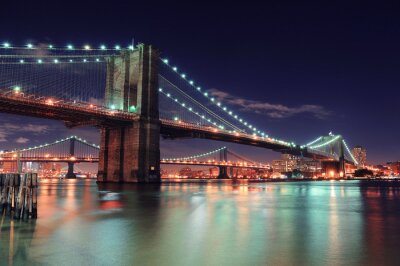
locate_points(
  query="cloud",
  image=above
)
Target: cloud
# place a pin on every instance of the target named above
(271, 110)
(21, 140)
(10, 129)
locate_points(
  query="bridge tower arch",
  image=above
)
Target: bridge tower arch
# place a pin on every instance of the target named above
(131, 153)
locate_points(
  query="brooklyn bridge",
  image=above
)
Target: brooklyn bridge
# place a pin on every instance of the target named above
(135, 97)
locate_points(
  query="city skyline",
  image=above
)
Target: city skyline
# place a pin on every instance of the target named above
(341, 79)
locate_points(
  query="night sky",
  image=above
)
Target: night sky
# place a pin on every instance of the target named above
(311, 67)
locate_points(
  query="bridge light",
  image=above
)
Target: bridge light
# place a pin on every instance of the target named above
(84, 60)
(175, 69)
(71, 61)
(97, 60)
(55, 61)
(131, 47)
(102, 47)
(70, 47)
(50, 46)
(29, 45)
(40, 61)
(132, 108)
(224, 108)
(17, 89)
(6, 45)
(165, 61)
(191, 82)
(205, 94)
(50, 102)
(176, 118)
(86, 47)
(199, 88)
(183, 75)
(117, 47)
(112, 106)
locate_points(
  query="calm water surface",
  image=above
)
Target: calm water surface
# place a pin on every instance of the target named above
(302, 223)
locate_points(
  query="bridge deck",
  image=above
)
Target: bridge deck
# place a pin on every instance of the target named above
(70, 112)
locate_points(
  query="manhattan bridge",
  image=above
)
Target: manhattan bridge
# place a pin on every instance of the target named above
(134, 96)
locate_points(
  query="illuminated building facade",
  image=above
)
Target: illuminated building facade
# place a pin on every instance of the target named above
(288, 163)
(360, 154)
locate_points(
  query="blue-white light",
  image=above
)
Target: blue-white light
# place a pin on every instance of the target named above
(70, 47)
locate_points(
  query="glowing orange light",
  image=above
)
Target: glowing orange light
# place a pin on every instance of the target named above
(331, 173)
(72, 158)
(50, 102)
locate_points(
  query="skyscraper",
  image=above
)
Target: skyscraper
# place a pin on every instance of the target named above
(360, 153)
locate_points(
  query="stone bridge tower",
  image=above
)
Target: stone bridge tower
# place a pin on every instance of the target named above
(131, 153)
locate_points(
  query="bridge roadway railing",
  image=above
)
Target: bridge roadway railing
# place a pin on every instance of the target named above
(215, 163)
(214, 130)
(49, 102)
(49, 159)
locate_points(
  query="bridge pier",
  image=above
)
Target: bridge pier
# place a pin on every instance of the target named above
(70, 173)
(223, 170)
(131, 153)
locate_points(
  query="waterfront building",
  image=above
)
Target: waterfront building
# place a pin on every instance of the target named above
(360, 154)
(289, 163)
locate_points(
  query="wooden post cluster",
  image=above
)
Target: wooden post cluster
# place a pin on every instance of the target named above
(18, 195)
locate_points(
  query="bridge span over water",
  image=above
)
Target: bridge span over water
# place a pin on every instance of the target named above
(134, 96)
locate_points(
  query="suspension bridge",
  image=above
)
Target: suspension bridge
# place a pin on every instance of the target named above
(134, 96)
(72, 150)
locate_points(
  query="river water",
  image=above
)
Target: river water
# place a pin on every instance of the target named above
(290, 223)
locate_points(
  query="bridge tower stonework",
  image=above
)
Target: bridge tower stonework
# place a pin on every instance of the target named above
(131, 153)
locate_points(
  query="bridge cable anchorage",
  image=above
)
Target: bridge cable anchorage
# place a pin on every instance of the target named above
(210, 112)
(212, 100)
(194, 156)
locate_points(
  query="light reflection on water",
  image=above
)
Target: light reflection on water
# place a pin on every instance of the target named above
(303, 223)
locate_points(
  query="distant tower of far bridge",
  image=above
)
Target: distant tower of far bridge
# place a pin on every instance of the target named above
(132, 153)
